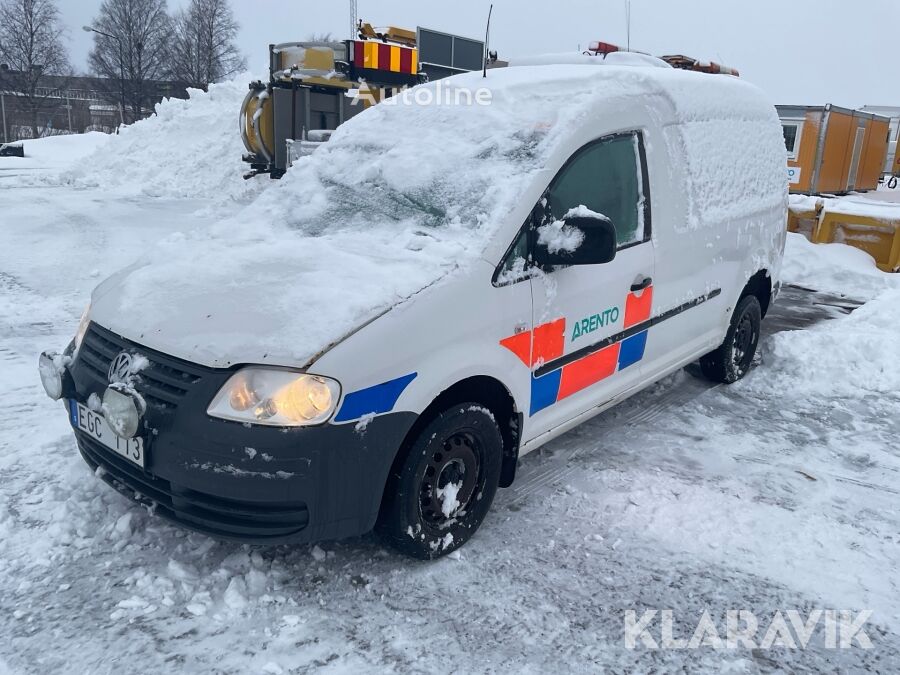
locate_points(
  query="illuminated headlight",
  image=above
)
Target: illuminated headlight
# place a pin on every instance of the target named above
(278, 398)
(82, 327)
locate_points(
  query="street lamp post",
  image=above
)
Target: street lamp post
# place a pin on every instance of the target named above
(91, 29)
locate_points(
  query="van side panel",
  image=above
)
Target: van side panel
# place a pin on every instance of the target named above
(723, 223)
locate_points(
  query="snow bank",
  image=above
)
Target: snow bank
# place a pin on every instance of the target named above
(63, 151)
(854, 356)
(860, 205)
(849, 357)
(46, 157)
(189, 148)
(833, 268)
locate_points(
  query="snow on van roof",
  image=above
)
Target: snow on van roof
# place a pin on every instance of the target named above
(577, 58)
(401, 196)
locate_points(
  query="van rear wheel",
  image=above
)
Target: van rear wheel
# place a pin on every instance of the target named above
(440, 492)
(731, 361)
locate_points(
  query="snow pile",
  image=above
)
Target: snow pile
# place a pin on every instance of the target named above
(849, 358)
(189, 148)
(861, 205)
(856, 355)
(64, 150)
(833, 268)
(45, 158)
(804, 203)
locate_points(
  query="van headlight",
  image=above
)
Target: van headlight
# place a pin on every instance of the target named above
(276, 397)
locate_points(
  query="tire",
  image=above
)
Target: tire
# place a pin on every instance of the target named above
(731, 361)
(462, 447)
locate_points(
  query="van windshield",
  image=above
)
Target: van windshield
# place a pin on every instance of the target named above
(447, 153)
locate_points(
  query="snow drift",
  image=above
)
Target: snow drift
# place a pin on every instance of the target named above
(189, 148)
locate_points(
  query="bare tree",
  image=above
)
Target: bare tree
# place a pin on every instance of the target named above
(204, 49)
(143, 30)
(31, 44)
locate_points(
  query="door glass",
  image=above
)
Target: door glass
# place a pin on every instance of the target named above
(605, 177)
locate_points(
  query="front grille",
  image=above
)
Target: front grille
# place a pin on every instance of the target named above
(162, 384)
(206, 513)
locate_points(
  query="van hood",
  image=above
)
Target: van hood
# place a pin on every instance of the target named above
(219, 304)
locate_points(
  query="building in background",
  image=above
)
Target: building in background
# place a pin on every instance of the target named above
(833, 150)
(892, 165)
(73, 105)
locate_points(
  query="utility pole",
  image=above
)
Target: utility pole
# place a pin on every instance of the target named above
(3, 107)
(91, 29)
(628, 24)
(354, 18)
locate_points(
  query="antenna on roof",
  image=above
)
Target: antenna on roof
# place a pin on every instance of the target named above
(487, 40)
(628, 25)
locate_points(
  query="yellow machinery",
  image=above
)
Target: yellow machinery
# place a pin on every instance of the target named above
(805, 219)
(877, 236)
(873, 229)
(314, 87)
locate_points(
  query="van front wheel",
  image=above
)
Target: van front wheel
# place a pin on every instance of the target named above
(441, 491)
(731, 361)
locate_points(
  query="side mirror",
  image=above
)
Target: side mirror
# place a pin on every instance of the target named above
(558, 243)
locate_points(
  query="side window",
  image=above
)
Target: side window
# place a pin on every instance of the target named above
(791, 131)
(515, 263)
(607, 178)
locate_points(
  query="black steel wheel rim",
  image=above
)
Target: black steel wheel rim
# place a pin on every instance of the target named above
(458, 462)
(744, 342)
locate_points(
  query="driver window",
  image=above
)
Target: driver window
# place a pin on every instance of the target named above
(605, 177)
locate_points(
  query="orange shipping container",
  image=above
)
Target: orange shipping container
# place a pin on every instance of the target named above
(833, 150)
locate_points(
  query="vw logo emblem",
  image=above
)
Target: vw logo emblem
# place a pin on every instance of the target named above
(120, 368)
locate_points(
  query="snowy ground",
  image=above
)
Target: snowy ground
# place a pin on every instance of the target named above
(778, 493)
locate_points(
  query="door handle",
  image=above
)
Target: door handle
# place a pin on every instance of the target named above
(641, 285)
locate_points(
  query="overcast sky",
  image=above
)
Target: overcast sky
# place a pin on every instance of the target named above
(800, 51)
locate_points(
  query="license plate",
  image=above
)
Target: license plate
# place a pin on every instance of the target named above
(96, 427)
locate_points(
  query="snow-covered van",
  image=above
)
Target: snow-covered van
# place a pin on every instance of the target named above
(458, 276)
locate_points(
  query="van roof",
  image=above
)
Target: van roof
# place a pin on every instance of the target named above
(401, 196)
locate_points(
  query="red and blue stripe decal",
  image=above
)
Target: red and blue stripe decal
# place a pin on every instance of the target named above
(538, 349)
(380, 398)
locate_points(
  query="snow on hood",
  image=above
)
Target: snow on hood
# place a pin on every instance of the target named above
(402, 196)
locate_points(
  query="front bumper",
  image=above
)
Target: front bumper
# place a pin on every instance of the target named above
(248, 483)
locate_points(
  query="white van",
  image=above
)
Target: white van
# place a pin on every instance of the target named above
(454, 279)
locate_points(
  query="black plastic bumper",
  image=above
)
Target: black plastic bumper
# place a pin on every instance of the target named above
(254, 484)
